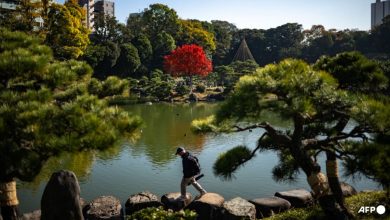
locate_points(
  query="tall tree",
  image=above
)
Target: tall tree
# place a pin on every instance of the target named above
(188, 60)
(128, 61)
(223, 32)
(380, 36)
(354, 72)
(192, 32)
(320, 112)
(45, 110)
(67, 35)
(106, 28)
(162, 45)
(158, 18)
(102, 57)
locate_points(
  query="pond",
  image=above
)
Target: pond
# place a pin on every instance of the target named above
(149, 163)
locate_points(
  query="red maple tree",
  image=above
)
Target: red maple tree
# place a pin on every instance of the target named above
(188, 60)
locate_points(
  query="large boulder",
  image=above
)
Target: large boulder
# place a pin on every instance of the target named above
(266, 207)
(174, 202)
(298, 198)
(207, 206)
(104, 208)
(35, 215)
(347, 189)
(140, 201)
(238, 209)
(61, 197)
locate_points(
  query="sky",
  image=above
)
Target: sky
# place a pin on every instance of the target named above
(263, 14)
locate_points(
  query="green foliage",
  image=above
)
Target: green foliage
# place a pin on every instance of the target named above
(192, 32)
(354, 72)
(203, 125)
(182, 89)
(354, 203)
(380, 34)
(370, 159)
(144, 47)
(223, 32)
(287, 169)
(128, 61)
(110, 87)
(24, 17)
(162, 45)
(161, 214)
(292, 82)
(313, 100)
(229, 161)
(160, 18)
(244, 67)
(67, 35)
(201, 88)
(106, 28)
(46, 108)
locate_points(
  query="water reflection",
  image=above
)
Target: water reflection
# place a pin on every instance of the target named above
(80, 163)
(167, 126)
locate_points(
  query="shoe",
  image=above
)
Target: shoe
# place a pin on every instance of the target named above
(200, 195)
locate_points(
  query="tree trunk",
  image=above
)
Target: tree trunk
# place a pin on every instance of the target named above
(318, 185)
(191, 84)
(334, 183)
(8, 200)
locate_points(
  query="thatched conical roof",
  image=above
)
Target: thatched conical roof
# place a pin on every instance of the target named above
(243, 53)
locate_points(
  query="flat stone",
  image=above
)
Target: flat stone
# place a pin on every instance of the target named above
(140, 201)
(237, 209)
(174, 202)
(266, 207)
(104, 208)
(298, 198)
(35, 215)
(207, 207)
(347, 189)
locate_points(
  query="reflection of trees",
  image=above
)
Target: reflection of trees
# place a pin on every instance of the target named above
(79, 162)
(167, 127)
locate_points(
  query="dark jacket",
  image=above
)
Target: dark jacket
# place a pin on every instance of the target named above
(190, 165)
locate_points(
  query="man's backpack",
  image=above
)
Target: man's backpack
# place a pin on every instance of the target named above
(196, 165)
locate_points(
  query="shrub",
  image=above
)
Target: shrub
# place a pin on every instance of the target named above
(200, 88)
(161, 214)
(182, 89)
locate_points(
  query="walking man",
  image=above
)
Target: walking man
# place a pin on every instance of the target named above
(191, 168)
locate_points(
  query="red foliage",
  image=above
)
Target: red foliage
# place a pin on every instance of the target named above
(188, 60)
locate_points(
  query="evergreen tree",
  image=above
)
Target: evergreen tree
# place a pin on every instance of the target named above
(67, 35)
(320, 112)
(46, 109)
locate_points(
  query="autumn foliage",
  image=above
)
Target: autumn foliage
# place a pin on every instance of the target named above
(187, 60)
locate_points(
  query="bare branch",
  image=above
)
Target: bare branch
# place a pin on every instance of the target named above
(239, 129)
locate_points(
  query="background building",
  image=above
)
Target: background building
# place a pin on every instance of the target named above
(11, 5)
(105, 7)
(93, 7)
(8, 4)
(88, 5)
(379, 10)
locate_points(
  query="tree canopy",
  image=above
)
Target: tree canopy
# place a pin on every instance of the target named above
(46, 108)
(67, 35)
(354, 72)
(188, 60)
(320, 112)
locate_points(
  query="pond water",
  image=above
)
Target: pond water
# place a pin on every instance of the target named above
(149, 163)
